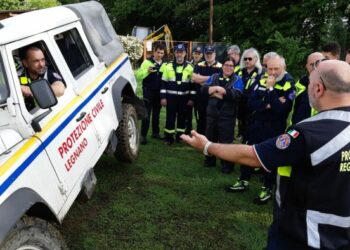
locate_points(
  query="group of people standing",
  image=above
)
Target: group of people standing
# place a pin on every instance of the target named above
(312, 207)
(263, 97)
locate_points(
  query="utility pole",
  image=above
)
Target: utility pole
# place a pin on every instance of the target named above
(211, 21)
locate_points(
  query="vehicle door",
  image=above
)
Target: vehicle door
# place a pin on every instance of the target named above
(91, 78)
(68, 135)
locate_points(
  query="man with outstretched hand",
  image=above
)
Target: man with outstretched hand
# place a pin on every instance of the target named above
(313, 212)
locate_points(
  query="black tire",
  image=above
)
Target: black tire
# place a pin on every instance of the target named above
(33, 233)
(128, 135)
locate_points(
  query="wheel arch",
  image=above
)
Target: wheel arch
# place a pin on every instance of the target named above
(23, 202)
(123, 92)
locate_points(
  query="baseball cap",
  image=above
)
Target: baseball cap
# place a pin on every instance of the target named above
(197, 49)
(180, 47)
(209, 49)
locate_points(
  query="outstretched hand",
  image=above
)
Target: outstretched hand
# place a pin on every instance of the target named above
(197, 141)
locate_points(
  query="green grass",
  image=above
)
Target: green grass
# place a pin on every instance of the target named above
(166, 200)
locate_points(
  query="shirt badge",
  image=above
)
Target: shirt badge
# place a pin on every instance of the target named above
(293, 133)
(283, 141)
(292, 95)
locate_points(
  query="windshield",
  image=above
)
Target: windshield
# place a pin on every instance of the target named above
(3, 85)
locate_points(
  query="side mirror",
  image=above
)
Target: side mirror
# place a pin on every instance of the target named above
(43, 93)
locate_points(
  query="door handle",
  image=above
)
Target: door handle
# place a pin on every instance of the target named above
(81, 116)
(104, 90)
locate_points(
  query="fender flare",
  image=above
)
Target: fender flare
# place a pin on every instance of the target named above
(123, 92)
(14, 207)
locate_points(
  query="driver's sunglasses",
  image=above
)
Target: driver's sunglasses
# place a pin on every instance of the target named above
(314, 67)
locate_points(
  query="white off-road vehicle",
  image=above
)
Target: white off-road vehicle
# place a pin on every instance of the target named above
(47, 154)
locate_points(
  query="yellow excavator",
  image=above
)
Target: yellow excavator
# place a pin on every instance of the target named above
(163, 33)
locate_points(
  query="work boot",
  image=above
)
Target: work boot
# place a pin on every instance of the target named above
(143, 140)
(264, 196)
(238, 186)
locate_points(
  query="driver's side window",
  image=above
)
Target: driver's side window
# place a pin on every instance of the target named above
(34, 62)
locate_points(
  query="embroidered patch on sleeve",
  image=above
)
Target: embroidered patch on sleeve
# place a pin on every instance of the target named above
(293, 133)
(283, 141)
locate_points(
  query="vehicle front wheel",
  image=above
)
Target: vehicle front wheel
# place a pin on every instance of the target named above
(128, 135)
(31, 233)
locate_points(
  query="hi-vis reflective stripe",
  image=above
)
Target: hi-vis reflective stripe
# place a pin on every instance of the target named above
(24, 80)
(285, 87)
(174, 92)
(169, 131)
(251, 80)
(314, 218)
(284, 171)
(337, 142)
(97, 85)
(330, 115)
(331, 147)
(281, 171)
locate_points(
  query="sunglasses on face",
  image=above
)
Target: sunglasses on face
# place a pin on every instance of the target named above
(247, 58)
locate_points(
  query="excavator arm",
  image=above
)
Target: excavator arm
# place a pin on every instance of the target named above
(162, 33)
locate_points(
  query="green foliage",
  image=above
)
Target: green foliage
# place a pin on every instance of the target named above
(293, 51)
(40, 4)
(248, 23)
(27, 4)
(10, 5)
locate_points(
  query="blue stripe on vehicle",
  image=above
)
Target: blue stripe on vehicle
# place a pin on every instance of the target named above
(8, 182)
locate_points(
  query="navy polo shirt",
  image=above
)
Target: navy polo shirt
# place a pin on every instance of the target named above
(285, 150)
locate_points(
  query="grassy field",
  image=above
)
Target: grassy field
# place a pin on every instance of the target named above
(166, 200)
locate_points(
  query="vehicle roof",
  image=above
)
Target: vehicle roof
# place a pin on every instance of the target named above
(34, 22)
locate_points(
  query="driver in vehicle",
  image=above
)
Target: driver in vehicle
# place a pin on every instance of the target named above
(35, 68)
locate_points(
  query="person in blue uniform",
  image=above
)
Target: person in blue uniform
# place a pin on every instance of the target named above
(271, 103)
(177, 92)
(150, 73)
(301, 107)
(197, 55)
(234, 52)
(223, 91)
(251, 70)
(314, 210)
(206, 68)
(34, 64)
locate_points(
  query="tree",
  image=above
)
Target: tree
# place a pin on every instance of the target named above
(10, 5)
(284, 25)
(27, 4)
